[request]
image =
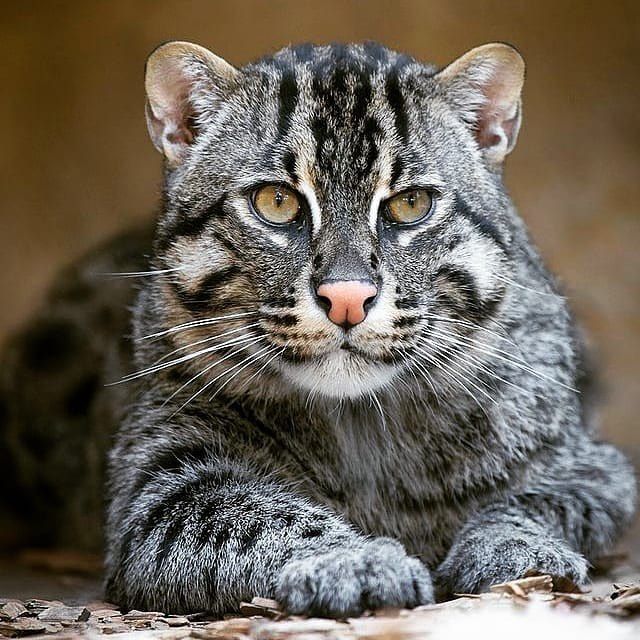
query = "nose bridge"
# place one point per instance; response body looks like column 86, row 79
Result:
column 343, row 252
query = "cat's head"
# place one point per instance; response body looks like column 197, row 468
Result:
column 331, row 212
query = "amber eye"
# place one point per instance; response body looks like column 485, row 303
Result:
column 409, row 206
column 276, row 203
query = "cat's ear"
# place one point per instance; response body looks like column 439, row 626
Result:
column 183, row 82
column 485, row 85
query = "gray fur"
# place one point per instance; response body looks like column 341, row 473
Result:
column 447, row 421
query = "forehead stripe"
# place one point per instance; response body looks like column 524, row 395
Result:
column 288, row 99
column 397, row 167
column 396, row 102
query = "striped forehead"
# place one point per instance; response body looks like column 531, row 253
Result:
column 341, row 113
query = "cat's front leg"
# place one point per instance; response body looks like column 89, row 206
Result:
column 502, row 544
column 577, row 504
column 206, row 535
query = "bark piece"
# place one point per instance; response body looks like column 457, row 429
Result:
column 266, row 603
column 64, row 614
column 134, row 615
column 13, row 609
column 522, row 587
column 175, row 621
column 36, row 606
column 22, row 627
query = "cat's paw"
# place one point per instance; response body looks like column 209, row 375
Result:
column 475, row 565
column 346, row 582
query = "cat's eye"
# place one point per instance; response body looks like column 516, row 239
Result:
column 276, row 203
column 410, row 206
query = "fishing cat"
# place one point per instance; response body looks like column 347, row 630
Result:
column 356, row 384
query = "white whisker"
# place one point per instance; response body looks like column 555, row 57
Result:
column 255, row 358
column 457, row 374
column 513, row 283
column 199, row 323
column 498, row 354
column 263, row 367
column 138, row 274
column 211, row 366
column 209, row 339
column 215, row 379
column 172, row 363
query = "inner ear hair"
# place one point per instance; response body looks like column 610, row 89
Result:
column 485, row 85
column 182, row 81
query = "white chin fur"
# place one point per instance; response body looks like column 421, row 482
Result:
column 339, row 375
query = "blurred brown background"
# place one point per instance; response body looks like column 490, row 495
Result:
column 76, row 164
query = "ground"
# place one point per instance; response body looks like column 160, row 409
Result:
column 58, row 594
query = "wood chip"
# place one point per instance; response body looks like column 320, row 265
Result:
column 135, row 615
column 524, row 586
column 249, row 609
column 65, row 614
column 22, row 627
column 12, row 610
column 175, row 621
column 266, row 603
column 102, row 614
column 36, row 606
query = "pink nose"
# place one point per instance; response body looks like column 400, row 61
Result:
column 347, row 300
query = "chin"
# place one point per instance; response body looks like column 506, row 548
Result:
column 339, row 375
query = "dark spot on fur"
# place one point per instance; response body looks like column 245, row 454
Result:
column 407, row 321
column 249, row 535
column 284, row 320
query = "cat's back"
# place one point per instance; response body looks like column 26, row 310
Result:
column 56, row 413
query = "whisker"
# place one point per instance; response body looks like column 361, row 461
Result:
column 138, row 274
column 471, row 325
column 215, row 379
column 510, row 359
column 521, row 286
column 263, row 367
column 171, row 363
column 375, row 400
column 455, row 373
column 255, row 358
column 211, row 366
column 209, row 339
column 199, row 323
column 483, row 367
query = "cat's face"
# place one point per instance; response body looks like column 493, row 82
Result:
column 351, row 167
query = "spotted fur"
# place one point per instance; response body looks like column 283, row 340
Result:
column 269, row 451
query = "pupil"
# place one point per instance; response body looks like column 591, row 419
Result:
column 411, row 199
column 279, row 198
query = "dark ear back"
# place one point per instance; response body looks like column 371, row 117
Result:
column 182, row 81
column 485, row 84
